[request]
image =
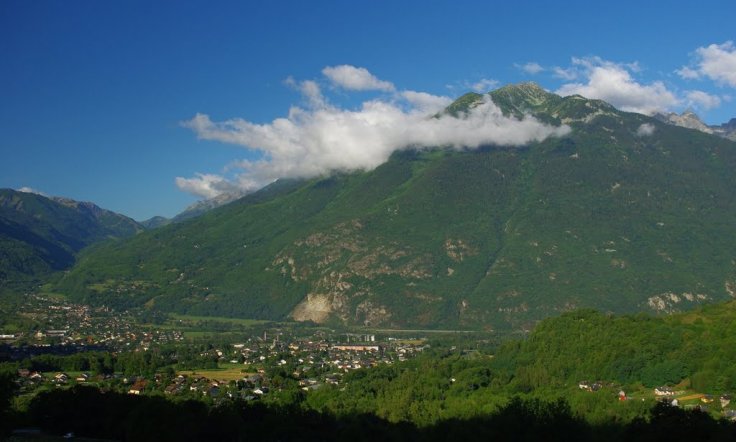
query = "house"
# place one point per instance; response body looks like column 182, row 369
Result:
column 349, row 347
column 261, row 391
column 138, row 387
column 663, row 391
column 725, row 400
column 84, row 377
column 61, row 378
column 706, row 399
column 587, row 386
column 331, row 379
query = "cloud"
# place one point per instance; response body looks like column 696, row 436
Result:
column 716, row 62
column 483, row 85
column 309, row 89
column 613, row 83
column 26, row 189
column 207, row 185
column 702, row 100
column 356, row 79
column 645, row 130
column 568, row 74
column 688, row 73
column 531, row 68
column 319, row 140
column 426, row 102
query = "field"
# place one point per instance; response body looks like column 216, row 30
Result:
column 226, row 372
column 237, row 321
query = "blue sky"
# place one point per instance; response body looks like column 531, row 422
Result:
column 145, row 106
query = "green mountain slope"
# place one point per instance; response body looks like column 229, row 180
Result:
column 39, row 235
column 627, row 349
column 496, row 237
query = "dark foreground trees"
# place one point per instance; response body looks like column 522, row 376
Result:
column 90, row 412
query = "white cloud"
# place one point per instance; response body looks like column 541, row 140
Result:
column 717, row 62
column 426, row 102
column 356, row 79
column 613, row 83
column 316, row 141
column 568, row 74
column 26, row 189
column 531, row 68
column 645, row 130
column 483, row 85
column 207, row 185
column 687, row 73
column 309, row 89
column 702, row 100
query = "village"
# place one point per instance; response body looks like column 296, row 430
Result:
column 168, row 361
column 248, row 370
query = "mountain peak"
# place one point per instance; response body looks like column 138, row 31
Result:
column 688, row 119
column 528, row 87
column 523, row 99
column 689, row 112
column 530, row 93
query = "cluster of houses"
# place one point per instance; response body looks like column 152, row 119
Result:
column 313, row 362
column 28, row 380
column 668, row 394
column 65, row 323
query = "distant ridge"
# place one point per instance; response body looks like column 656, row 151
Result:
column 40, row 234
column 194, row 210
column 690, row 120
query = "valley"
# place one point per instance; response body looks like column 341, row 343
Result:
column 583, row 281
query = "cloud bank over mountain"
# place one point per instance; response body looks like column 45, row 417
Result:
column 324, row 137
column 321, row 136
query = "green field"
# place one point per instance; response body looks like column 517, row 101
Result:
column 226, row 372
column 239, row 321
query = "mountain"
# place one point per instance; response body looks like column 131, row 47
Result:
column 200, row 207
column 195, row 210
column 690, row 120
column 623, row 214
column 154, row 222
column 40, row 234
column 726, row 130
